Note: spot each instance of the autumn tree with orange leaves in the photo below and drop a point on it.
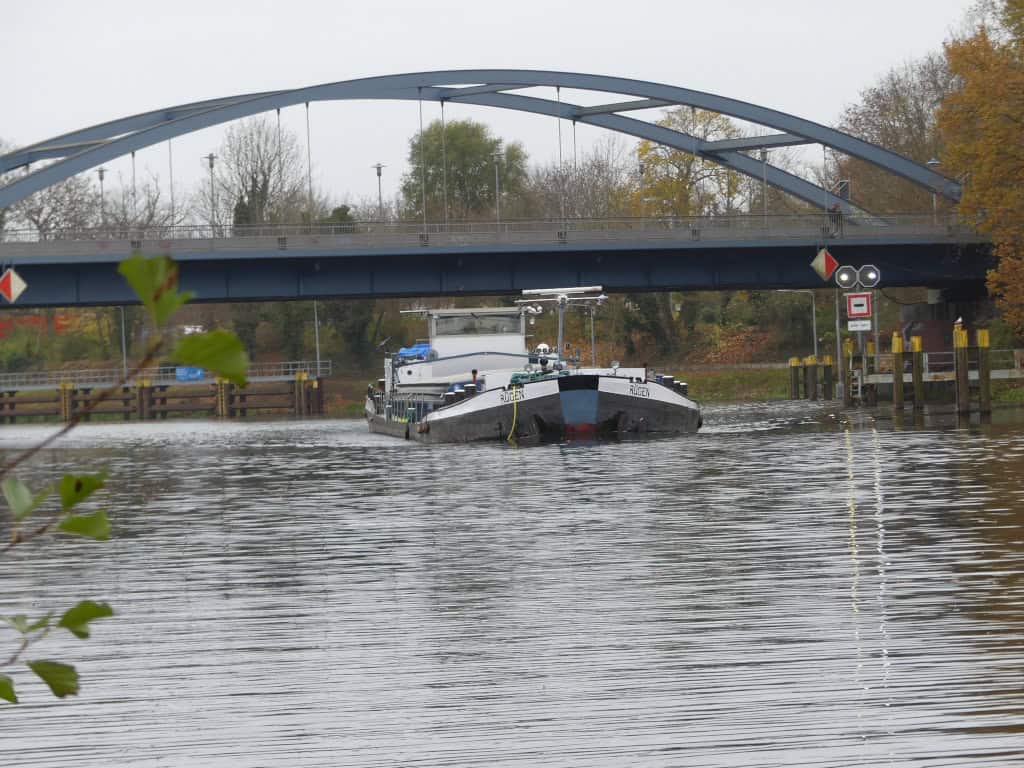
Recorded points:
(982, 123)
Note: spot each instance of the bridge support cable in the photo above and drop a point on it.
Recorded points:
(309, 166)
(561, 168)
(170, 174)
(91, 147)
(575, 176)
(444, 166)
(280, 158)
(423, 165)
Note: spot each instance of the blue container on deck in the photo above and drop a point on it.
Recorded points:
(415, 352)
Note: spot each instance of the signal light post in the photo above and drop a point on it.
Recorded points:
(859, 305)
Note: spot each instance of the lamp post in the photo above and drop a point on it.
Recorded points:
(103, 201)
(933, 164)
(380, 196)
(316, 335)
(764, 182)
(213, 193)
(497, 193)
(640, 172)
(814, 315)
(124, 347)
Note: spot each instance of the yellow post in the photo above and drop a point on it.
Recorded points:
(220, 399)
(963, 389)
(917, 370)
(794, 378)
(300, 392)
(318, 396)
(897, 371)
(66, 408)
(848, 371)
(811, 377)
(984, 371)
(828, 384)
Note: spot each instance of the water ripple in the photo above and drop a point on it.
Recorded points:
(795, 585)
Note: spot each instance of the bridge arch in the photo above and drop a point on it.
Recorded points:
(90, 147)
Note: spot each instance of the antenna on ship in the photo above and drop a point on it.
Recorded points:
(562, 297)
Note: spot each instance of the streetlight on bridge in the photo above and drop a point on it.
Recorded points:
(497, 192)
(933, 164)
(103, 201)
(764, 185)
(213, 193)
(380, 196)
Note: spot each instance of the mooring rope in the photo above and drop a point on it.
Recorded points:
(515, 415)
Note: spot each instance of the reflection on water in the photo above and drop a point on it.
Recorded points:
(792, 586)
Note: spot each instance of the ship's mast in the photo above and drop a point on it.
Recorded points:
(588, 296)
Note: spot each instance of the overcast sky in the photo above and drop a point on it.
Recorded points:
(68, 65)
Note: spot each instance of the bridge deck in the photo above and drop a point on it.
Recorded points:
(367, 238)
(394, 260)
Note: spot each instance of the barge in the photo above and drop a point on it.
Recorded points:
(475, 379)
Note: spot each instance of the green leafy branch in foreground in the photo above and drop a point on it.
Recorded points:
(53, 508)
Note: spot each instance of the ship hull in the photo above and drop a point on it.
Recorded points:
(552, 409)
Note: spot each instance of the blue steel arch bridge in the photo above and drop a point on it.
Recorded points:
(443, 258)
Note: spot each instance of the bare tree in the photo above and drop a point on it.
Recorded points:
(369, 208)
(601, 184)
(140, 208)
(260, 176)
(70, 205)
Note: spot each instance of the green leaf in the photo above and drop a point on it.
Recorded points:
(219, 351)
(76, 620)
(19, 622)
(77, 488)
(20, 498)
(155, 282)
(62, 678)
(94, 526)
(7, 689)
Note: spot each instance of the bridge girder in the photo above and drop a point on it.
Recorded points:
(90, 147)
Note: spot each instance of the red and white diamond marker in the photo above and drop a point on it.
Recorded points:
(12, 286)
(824, 264)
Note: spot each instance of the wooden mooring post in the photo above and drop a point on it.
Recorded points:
(984, 372)
(221, 398)
(67, 406)
(848, 372)
(318, 396)
(143, 400)
(897, 371)
(827, 381)
(960, 361)
(811, 377)
(794, 378)
(917, 370)
(301, 393)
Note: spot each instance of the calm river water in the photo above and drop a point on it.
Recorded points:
(793, 586)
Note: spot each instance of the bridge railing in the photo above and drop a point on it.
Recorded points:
(166, 374)
(382, 234)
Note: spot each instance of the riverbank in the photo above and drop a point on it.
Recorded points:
(707, 385)
(727, 385)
